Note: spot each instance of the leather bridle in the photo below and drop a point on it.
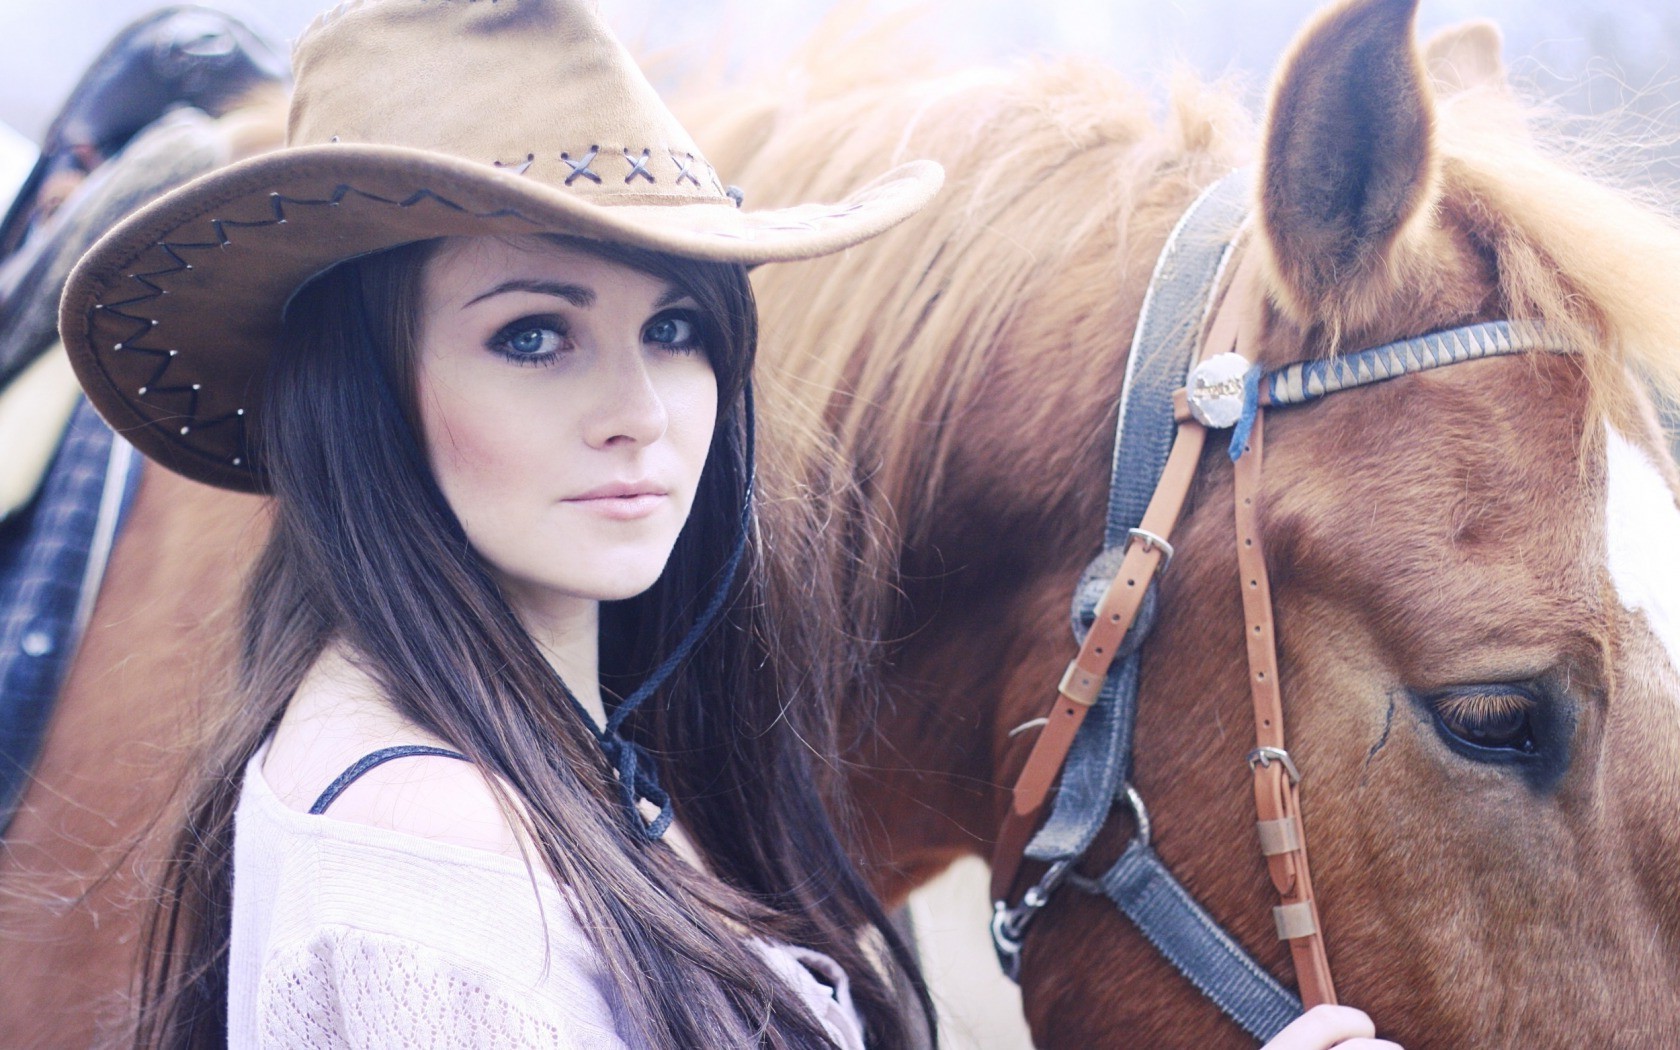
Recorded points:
(1090, 763)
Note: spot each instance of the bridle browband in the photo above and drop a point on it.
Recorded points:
(1192, 368)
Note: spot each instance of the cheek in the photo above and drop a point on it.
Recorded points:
(480, 446)
(691, 405)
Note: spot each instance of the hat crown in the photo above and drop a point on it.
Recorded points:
(539, 88)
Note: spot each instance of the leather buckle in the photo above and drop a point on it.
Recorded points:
(1261, 757)
(1151, 541)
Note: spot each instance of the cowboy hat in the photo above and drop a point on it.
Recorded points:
(411, 119)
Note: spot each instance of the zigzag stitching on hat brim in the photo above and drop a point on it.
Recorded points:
(131, 414)
(153, 290)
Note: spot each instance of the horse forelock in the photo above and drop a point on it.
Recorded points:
(1574, 243)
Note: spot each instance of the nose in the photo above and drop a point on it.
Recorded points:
(627, 406)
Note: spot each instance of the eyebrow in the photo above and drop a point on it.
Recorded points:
(576, 294)
(672, 294)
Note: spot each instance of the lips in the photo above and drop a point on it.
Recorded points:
(621, 500)
(619, 490)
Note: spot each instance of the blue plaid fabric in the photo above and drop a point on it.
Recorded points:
(44, 552)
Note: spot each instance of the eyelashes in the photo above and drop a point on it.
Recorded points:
(531, 340)
(541, 339)
(1489, 718)
(681, 331)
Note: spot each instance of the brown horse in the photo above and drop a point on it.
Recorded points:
(1477, 664)
(1479, 682)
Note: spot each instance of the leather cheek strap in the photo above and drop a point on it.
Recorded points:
(1236, 325)
(1276, 790)
(1083, 681)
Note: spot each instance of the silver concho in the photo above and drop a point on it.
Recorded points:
(1216, 390)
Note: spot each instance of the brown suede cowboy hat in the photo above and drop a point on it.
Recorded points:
(411, 119)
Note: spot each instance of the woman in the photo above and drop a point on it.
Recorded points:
(517, 756)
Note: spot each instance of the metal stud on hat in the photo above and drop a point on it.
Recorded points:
(389, 143)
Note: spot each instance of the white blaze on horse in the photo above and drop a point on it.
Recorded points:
(1642, 529)
(1472, 568)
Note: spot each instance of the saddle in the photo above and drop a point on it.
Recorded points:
(176, 56)
(176, 61)
(37, 389)
(34, 410)
(140, 122)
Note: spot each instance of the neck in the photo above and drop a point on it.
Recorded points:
(567, 632)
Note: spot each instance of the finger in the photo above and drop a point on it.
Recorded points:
(1323, 1027)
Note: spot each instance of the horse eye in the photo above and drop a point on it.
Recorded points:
(1491, 721)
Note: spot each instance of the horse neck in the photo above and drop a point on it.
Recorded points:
(976, 632)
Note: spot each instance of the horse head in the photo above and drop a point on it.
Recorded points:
(1473, 569)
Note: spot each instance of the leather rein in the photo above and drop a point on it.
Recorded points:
(1172, 399)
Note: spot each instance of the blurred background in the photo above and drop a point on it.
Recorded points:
(1610, 61)
(1595, 56)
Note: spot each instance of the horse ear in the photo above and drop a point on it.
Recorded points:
(1467, 55)
(1348, 154)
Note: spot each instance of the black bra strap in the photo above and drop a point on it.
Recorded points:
(368, 761)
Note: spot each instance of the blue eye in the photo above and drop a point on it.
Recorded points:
(530, 340)
(675, 331)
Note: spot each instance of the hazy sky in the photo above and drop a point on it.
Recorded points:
(1598, 54)
(49, 44)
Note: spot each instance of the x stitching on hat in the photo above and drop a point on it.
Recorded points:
(638, 166)
(684, 170)
(581, 167)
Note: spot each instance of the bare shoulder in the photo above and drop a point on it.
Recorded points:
(336, 718)
(432, 797)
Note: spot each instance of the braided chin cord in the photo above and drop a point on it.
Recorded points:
(637, 774)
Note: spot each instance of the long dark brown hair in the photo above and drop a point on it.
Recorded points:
(740, 733)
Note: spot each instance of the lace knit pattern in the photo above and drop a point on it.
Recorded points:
(349, 936)
(348, 988)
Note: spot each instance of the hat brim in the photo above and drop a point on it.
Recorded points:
(169, 319)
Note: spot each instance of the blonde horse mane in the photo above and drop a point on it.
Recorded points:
(1590, 259)
(1061, 186)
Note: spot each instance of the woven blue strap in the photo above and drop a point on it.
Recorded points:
(1099, 763)
(1188, 270)
(1164, 346)
(1165, 913)
(1309, 380)
(1095, 770)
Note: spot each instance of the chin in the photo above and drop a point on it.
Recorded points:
(614, 576)
(585, 567)
(616, 590)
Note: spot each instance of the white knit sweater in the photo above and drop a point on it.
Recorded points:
(347, 935)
